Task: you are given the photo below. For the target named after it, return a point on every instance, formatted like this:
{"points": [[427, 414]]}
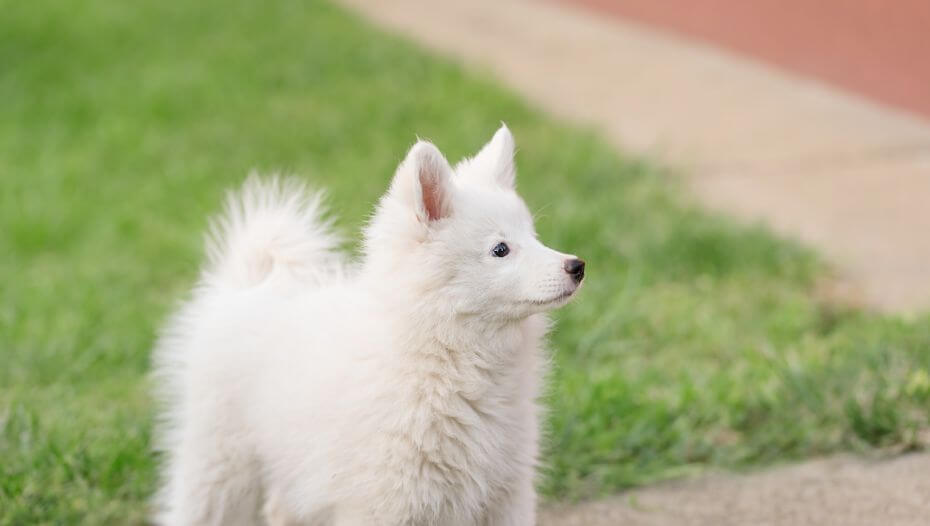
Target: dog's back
{"points": [[269, 246]]}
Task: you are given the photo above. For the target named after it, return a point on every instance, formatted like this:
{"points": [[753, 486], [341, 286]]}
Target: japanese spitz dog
{"points": [[401, 390]]}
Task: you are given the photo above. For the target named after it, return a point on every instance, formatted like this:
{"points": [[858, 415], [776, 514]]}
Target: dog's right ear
{"points": [[494, 163], [424, 182]]}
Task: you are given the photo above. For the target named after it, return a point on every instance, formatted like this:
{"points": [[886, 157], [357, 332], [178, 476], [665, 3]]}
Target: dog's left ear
{"points": [[424, 181], [495, 160]]}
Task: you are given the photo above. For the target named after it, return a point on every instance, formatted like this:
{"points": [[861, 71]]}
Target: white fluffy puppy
{"points": [[400, 392]]}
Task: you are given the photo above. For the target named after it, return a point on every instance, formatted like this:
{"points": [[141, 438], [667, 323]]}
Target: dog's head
{"points": [[465, 235]]}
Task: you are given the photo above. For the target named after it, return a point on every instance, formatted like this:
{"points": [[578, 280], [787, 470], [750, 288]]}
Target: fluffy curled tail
{"points": [[270, 225]]}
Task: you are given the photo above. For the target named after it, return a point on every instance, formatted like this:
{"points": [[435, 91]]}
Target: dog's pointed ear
{"points": [[424, 180], [495, 160]]}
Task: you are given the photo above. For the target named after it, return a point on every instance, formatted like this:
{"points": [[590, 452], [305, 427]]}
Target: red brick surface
{"points": [[878, 48]]}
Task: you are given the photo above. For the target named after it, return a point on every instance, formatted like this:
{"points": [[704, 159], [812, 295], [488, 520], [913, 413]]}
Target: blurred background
{"points": [[747, 181], [869, 47]]}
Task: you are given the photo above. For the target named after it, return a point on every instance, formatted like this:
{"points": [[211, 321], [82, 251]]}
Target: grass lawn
{"points": [[696, 343]]}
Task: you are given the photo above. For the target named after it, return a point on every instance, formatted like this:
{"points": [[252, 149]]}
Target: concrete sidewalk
{"points": [[841, 491], [839, 172]]}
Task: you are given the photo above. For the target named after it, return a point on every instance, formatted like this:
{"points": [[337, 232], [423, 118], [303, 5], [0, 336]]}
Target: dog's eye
{"points": [[500, 250]]}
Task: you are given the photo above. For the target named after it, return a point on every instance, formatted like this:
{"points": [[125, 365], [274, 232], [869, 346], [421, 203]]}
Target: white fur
{"points": [[400, 392]]}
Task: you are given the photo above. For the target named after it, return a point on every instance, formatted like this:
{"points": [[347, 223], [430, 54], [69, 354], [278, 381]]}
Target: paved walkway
{"points": [[841, 491], [839, 172]]}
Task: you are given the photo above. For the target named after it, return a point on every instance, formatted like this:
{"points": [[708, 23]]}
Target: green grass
{"points": [[696, 343]]}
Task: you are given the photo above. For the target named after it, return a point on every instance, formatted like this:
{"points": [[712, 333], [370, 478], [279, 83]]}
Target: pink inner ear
{"points": [[432, 194]]}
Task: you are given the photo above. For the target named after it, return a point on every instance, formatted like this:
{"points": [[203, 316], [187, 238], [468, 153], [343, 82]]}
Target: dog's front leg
{"points": [[517, 508]]}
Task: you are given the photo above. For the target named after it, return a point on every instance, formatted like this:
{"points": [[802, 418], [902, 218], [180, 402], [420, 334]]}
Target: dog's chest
{"points": [[467, 435]]}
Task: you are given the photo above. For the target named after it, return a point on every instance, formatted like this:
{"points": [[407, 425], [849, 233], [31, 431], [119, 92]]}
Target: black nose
{"points": [[575, 268]]}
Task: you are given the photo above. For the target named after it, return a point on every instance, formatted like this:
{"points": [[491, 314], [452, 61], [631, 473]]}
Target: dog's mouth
{"points": [[556, 299]]}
